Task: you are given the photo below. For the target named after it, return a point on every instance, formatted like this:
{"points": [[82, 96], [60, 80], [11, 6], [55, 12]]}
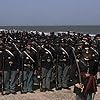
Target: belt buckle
{"points": [[43, 60], [48, 60], [64, 59]]}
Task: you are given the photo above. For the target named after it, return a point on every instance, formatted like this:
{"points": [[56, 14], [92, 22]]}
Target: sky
{"points": [[49, 12]]}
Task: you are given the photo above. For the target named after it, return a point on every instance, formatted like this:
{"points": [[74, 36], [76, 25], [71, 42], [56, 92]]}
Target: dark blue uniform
{"points": [[10, 70], [46, 57], [62, 67], [28, 70]]}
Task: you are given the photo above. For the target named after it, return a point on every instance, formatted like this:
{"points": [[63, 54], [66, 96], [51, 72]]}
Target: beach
{"points": [[56, 95]]}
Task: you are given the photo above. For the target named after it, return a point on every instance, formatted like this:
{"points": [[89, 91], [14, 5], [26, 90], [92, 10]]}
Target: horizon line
{"points": [[49, 25]]}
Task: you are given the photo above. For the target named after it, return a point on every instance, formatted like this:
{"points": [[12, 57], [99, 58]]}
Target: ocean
{"points": [[91, 29]]}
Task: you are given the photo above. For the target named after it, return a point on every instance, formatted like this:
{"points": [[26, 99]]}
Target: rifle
{"points": [[57, 72], [3, 62], [40, 82], [22, 69]]}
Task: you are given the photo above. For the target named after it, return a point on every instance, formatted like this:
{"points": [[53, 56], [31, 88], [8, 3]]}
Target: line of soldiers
{"points": [[57, 60]]}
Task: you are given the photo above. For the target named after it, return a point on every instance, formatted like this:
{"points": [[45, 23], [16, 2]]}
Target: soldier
{"points": [[46, 58], [87, 69], [10, 68], [28, 68], [62, 63], [70, 65], [97, 45], [1, 64], [1, 50], [66, 68]]}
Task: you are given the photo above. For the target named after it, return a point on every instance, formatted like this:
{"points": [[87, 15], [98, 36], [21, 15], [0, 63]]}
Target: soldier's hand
{"points": [[17, 70], [53, 67], [87, 75], [77, 60], [20, 72], [80, 86]]}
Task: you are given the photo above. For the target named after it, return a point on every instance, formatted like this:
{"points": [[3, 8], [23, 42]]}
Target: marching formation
{"points": [[54, 60]]}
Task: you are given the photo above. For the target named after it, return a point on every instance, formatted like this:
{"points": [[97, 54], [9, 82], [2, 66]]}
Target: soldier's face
{"points": [[18, 45], [1, 46], [46, 45], [28, 47], [62, 44], [66, 44], [1, 41], [9, 47]]}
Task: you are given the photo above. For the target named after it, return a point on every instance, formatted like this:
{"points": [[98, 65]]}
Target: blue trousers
{"points": [[10, 80], [27, 80], [46, 78]]}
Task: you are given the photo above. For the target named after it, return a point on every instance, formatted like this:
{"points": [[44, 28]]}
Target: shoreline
{"points": [[92, 29]]}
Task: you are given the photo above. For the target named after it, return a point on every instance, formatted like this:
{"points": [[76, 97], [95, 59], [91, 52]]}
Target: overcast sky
{"points": [[49, 12]]}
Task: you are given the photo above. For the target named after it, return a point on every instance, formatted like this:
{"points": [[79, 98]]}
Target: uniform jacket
{"points": [[46, 57], [11, 62]]}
